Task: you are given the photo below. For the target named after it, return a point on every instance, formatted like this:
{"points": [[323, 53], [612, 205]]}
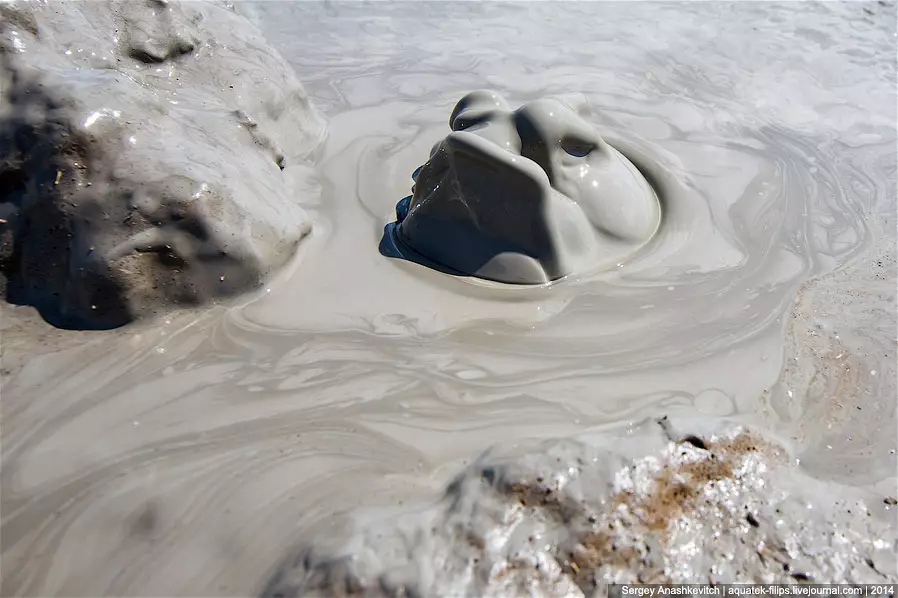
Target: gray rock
{"points": [[697, 501], [142, 156]]}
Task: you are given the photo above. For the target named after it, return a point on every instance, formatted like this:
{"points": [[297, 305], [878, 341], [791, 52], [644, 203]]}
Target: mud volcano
{"points": [[525, 196]]}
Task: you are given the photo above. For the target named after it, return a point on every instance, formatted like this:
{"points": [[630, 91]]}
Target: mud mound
{"points": [[525, 196], [142, 156]]}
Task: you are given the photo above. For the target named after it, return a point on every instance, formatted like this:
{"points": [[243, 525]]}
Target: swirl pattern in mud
{"points": [[189, 456]]}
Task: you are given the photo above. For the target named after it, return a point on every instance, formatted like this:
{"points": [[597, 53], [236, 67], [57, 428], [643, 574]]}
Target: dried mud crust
{"points": [[142, 156], [571, 517], [678, 493]]}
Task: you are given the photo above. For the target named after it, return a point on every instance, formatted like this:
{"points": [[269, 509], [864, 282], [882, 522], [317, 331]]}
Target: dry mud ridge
{"points": [[664, 501], [143, 148]]}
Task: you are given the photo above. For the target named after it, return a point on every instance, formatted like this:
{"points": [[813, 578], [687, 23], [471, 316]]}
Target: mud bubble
{"points": [[524, 196]]}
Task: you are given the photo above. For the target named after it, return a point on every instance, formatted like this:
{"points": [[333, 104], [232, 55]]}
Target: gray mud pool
{"points": [[714, 402]]}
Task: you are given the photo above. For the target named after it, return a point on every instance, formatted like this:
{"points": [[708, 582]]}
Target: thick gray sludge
{"points": [[142, 149]]}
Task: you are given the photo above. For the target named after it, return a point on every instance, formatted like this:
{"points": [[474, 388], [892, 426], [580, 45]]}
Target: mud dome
{"points": [[662, 501], [527, 196], [142, 154]]}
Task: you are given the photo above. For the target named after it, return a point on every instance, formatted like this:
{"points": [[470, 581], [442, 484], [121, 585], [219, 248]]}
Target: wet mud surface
{"points": [[192, 454]]}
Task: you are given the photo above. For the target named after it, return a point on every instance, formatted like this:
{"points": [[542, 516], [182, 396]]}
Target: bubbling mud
{"points": [[524, 197]]}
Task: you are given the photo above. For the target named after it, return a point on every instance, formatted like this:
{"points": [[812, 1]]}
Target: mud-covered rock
{"points": [[661, 502], [143, 148]]}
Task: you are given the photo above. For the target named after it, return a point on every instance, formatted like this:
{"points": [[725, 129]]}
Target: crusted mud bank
{"points": [[665, 501], [143, 148]]}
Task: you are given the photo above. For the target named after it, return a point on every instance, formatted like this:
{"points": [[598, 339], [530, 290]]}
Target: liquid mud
{"points": [[189, 455]]}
